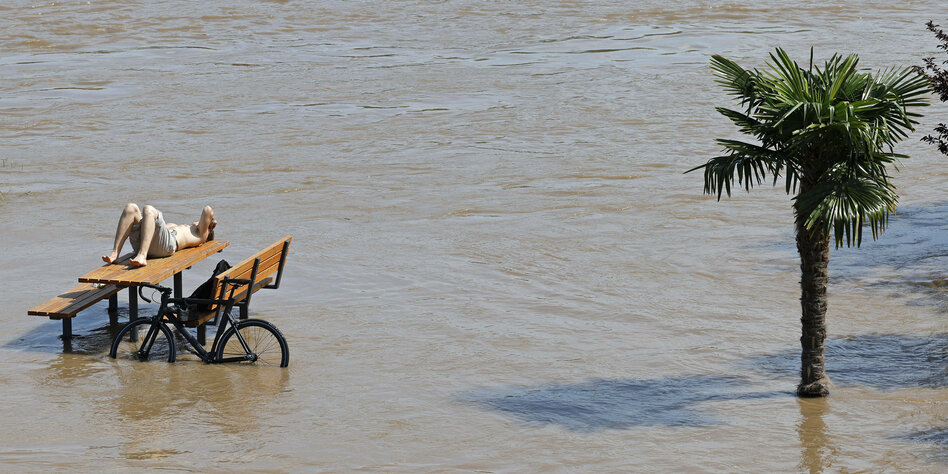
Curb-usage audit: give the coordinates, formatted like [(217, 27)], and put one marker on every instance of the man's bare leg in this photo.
[(149, 216), (130, 215)]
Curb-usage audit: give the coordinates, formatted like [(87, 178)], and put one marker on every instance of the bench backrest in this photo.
[(260, 267)]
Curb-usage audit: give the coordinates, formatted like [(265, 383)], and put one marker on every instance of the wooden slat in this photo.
[(272, 254), (269, 262), (238, 297), (77, 295), (157, 270), (68, 304)]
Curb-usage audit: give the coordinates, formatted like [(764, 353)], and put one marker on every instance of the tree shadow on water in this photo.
[(618, 404), (881, 361), (908, 259), (935, 438)]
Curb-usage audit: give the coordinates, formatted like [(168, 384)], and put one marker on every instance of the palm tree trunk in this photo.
[(814, 248)]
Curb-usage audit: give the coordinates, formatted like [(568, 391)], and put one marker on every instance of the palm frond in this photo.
[(846, 205), (745, 165), (837, 74), (734, 79), (787, 80), (747, 124), (829, 131)]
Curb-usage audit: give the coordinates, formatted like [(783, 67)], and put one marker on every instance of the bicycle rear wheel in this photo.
[(266, 346), (130, 341)]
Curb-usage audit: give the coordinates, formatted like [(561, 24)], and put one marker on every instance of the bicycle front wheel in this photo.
[(265, 345), (134, 342)]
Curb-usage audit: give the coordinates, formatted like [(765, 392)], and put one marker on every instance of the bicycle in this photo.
[(251, 341)]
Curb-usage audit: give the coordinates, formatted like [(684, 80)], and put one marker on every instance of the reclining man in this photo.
[(151, 237)]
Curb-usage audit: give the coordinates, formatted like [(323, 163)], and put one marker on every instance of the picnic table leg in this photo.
[(113, 310), (202, 334), (177, 285), (132, 303), (67, 329)]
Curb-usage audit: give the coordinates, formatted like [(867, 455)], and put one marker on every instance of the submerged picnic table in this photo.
[(122, 274), (107, 280)]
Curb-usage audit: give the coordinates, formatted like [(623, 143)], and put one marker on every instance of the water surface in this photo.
[(497, 263)]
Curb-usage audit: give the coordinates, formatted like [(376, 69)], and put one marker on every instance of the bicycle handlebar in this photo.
[(155, 287), (142, 286)]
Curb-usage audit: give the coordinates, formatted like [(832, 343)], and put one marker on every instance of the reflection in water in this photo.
[(92, 333), (155, 399), (617, 404), (68, 369), (884, 361), (817, 454)]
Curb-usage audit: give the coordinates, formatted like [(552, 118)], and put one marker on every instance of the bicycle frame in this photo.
[(224, 317)]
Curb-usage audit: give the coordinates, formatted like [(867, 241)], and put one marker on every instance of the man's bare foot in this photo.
[(138, 262), (110, 258)]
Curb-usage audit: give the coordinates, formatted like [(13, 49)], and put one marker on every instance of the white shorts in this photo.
[(164, 242)]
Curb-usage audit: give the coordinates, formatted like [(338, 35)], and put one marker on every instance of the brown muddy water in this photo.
[(497, 262)]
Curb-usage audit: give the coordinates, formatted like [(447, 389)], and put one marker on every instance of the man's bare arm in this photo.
[(206, 223), (199, 230)]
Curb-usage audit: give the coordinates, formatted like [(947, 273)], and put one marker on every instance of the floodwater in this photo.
[(497, 263)]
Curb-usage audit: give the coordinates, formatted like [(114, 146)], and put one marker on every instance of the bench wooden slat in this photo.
[(240, 295), (269, 262), (158, 269), (81, 296), (68, 304), (272, 255)]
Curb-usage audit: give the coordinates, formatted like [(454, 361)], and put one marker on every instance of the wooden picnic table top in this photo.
[(157, 270)]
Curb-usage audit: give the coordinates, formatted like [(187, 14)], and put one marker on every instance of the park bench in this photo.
[(264, 269), (107, 280)]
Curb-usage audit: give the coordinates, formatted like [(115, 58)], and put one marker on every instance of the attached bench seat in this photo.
[(260, 268), (70, 303), (67, 305)]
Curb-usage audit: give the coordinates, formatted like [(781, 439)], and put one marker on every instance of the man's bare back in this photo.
[(154, 234)]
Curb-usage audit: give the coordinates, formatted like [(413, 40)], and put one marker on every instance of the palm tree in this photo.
[(829, 133)]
